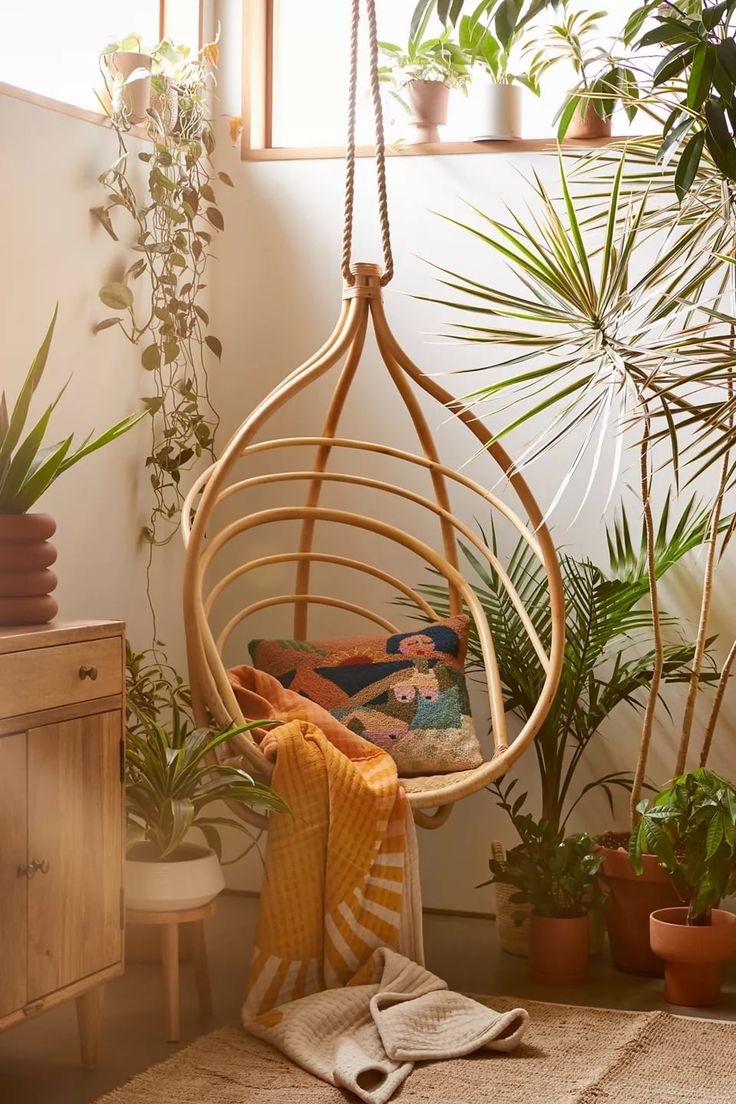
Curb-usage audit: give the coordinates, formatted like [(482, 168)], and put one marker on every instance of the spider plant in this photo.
[(172, 780), (609, 351), (27, 466), (606, 663)]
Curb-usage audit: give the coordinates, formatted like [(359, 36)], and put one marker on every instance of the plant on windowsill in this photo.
[(421, 75), (174, 217), (28, 467), (691, 827), (557, 877)]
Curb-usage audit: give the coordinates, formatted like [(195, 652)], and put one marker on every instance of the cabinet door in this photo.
[(13, 883), (75, 825)]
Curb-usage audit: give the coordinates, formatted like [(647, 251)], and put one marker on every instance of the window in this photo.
[(52, 47), (298, 72)]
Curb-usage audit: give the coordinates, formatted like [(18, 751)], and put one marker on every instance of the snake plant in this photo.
[(27, 466)]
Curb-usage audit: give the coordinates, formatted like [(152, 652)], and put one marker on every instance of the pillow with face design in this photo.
[(406, 692)]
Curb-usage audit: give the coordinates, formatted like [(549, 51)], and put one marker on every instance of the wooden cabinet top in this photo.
[(16, 638)]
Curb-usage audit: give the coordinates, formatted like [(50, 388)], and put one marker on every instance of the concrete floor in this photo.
[(39, 1059)]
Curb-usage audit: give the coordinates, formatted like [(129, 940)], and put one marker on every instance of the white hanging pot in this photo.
[(135, 70), (497, 112), (428, 100), (191, 876)]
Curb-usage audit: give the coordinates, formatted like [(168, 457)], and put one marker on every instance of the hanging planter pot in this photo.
[(587, 123), (559, 948), (26, 583), (693, 956), (189, 877), (496, 112), (132, 71), (429, 100), (630, 899)]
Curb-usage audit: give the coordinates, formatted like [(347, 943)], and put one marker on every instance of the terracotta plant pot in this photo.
[(630, 899), (558, 949), (136, 95), (188, 878), (693, 956), (588, 124), (26, 582), (497, 113), (428, 100)]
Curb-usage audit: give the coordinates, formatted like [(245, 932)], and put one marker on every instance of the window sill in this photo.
[(35, 98), (431, 149)]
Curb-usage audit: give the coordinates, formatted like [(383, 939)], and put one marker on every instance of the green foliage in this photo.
[(436, 57), (607, 662), (691, 827), (507, 17), (153, 688), (27, 466), (174, 220), (554, 874)]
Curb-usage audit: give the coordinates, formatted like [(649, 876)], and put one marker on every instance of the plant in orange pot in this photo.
[(691, 828), (557, 876), (27, 469)]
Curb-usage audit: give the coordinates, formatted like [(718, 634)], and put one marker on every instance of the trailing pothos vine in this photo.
[(175, 215)]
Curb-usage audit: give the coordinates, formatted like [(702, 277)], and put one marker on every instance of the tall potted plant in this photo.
[(691, 828), (557, 877), (28, 467)]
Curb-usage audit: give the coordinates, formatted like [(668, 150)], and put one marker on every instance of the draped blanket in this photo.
[(337, 981)]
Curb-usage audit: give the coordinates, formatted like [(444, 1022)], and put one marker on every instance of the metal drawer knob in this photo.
[(87, 672)]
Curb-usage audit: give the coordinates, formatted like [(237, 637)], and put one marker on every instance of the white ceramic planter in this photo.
[(137, 94), (496, 112), (192, 878)]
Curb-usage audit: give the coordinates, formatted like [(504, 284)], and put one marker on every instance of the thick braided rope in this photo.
[(347, 239)]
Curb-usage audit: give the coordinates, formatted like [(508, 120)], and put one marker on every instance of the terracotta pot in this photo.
[(497, 113), (588, 124), (693, 956), (429, 100), (25, 580), (190, 877), (136, 96), (630, 899), (558, 949)]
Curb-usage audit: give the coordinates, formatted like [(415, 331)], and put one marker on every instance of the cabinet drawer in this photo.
[(44, 678)]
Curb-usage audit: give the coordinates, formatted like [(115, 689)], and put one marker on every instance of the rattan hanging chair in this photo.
[(208, 582)]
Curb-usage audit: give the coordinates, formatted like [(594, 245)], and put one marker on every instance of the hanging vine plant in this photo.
[(175, 217)]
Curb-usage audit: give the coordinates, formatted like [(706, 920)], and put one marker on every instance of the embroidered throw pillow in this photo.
[(406, 692)]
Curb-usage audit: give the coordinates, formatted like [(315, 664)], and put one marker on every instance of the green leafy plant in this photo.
[(28, 467), (556, 875), (509, 17), (607, 663), (425, 58), (174, 219), (485, 50), (173, 777), (691, 827), (153, 688)]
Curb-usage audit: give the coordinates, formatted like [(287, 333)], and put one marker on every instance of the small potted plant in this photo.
[(497, 97), (27, 469), (129, 66), (172, 779), (691, 828), (557, 876), (421, 75)]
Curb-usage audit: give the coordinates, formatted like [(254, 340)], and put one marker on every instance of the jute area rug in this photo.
[(570, 1055)]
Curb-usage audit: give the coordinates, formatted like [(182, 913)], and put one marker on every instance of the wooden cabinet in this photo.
[(61, 819)]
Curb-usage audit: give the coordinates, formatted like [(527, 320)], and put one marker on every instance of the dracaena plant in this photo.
[(691, 827), (28, 466)]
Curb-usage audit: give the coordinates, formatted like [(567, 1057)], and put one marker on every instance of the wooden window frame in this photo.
[(98, 118), (259, 21)]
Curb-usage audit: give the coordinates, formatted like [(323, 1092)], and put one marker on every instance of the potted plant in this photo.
[(129, 66), (421, 75), (28, 467), (557, 877), (172, 779), (497, 96), (691, 828)]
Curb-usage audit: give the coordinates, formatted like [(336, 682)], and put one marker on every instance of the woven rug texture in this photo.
[(570, 1055)]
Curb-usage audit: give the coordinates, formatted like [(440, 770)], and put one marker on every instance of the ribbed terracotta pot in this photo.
[(429, 101), (588, 124), (559, 949), (693, 956), (630, 899), (26, 583)]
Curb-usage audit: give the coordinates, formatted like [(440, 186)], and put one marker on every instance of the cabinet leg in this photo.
[(170, 959), (201, 970), (89, 1021)]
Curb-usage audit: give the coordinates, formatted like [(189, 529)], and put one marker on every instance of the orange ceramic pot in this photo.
[(558, 949), (630, 900), (26, 583), (588, 124), (429, 101), (693, 956)]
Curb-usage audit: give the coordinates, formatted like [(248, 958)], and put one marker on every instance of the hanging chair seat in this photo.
[(226, 536)]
